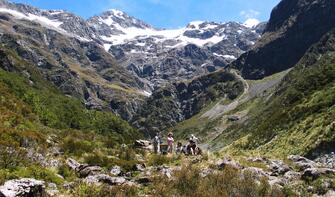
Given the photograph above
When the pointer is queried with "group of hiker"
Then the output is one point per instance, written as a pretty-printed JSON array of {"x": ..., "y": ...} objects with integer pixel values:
[{"x": 191, "y": 148}]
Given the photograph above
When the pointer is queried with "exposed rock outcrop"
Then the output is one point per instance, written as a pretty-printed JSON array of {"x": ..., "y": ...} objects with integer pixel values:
[{"x": 23, "y": 187}]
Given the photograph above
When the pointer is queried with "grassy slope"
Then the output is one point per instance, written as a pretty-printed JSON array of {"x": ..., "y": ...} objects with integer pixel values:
[
  {"x": 34, "y": 115},
  {"x": 218, "y": 131},
  {"x": 300, "y": 115}
]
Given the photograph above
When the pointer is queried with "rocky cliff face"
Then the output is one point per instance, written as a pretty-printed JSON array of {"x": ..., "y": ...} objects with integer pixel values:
[
  {"x": 294, "y": 26},
  {"x": 179, "y": 101}
]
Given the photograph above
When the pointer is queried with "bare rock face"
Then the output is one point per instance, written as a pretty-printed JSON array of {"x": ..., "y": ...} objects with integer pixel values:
[
  {"x": 291, "y": 31},
  {"x": 23, "y": 187}
]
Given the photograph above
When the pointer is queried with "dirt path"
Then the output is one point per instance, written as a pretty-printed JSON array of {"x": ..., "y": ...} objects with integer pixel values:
[{"x": 220, "y": 109}]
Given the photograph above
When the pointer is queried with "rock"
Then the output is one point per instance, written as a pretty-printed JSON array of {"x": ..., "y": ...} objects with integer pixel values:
[
  {"x": 278, "y": 167},
  {"x": 228, "y": 163},
  {"x": 116, "y": 171},
  {"x": 302, "y": 162},
  {"x": 315, "y": 173},
  {"x": 143, "y": 144},
  {"x": 257, "y": 159},
  {"x": 256, "y": 173},
  {"x": 205, "y": 172},
  {"x": 139, "y": 167},
  {"x": 103, "y": 178},
  {"x": 52, "y": 192},
  {"x": 73, "y": 164},
  {"x": 144, "y": 180},
  {"x": 330, "y": 193},
  {"x": 277, "y": 181},
  {"x": 326, "y": 160},
  {"x": 23, "y": 187},
  {"x": 69, "y": 185},
  {"x": 167, "y": 172},
  {"x": 233, "y": 118},
  {"x": 292, "y": 176},
  {"x": 83, "y": 170},
  {"x": 88, "y": 171}
]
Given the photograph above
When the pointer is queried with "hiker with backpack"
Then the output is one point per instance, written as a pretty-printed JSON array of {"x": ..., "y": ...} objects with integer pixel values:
[{"x": 192, "y": 148}]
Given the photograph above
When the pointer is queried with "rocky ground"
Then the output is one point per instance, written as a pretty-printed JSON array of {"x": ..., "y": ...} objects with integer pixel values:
[{"x": 297, "y": 174}]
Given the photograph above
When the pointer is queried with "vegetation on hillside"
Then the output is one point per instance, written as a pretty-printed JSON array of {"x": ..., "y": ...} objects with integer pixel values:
[
  {"x": 299, "y": 116},
  {"x": 36, "y": 119}
]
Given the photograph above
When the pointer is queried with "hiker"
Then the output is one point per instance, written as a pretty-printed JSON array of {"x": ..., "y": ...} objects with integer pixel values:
[
  {"x": 156, "y": 143},
  {"x": 170, "y": 142},
  {"x": 179, "y": 148},
  {"x": 192, "y": 145}
]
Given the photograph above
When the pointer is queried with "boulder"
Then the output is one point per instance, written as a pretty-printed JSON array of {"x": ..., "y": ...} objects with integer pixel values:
[
  {"x": 103, "y": 178},
  {"x": 301, "y": 162},
  {"x": 278, "y": 167},
  {"x": 256, "y": 173},
  {"x": 314, "y": 173},
  {"x": 73, "y": 164},
  {"x": 83, "y": 170},
  {"x": 228, "y": 163},
  {"x": 143, "y": 144},
  {"x": 23, "y": 187},
  {"x": 139, "y": 167},
  {"x": 330, "y": 193},
  {"x": 88, "y": 171},
  {"x": 292, "y": 176},
  {"x": 116, "y": 171}
]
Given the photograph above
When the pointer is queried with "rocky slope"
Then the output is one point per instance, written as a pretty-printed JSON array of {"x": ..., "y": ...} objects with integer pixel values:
[
  {"x": 179, "y": 101},
  {"x": 293, "y": 27}
]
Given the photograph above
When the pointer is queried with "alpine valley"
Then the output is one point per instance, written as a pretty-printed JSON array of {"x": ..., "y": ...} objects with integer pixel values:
[{"x": 80, "y": 100}]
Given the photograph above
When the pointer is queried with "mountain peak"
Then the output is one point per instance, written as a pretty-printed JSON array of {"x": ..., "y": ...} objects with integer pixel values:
[{"x": 251, "y": 22}]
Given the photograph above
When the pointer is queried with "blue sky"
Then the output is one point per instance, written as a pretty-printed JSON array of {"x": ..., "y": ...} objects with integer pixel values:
[{"x": 167, "y": 13}]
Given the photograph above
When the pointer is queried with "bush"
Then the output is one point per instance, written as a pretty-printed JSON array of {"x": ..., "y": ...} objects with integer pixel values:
[
  {"x": 77, "y": 147},
  {"x": 36, "y": 172},
  {"x": 229, "y": 182},
  {"x": 12, "y": 157},
  {"x": 158, "y": 160},
  {"x": 100, "y": 159},
  {"x": 84, "y": 190}
]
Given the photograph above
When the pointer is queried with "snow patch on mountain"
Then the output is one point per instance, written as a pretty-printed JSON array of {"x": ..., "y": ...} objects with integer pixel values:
[
  {"x": 251, "y": 22},
  {"x": 41, "y": 19}
]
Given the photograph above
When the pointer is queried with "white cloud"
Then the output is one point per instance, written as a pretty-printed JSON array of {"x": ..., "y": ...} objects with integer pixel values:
[
  {"x": 251, "y": 22},
  {"x": 249, "y": 13}
]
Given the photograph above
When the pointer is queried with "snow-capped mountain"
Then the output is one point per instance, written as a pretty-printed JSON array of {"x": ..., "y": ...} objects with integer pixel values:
[{"x": 161, "y": 55}]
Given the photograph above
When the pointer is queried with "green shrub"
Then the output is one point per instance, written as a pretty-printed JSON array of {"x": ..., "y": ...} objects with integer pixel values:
[
  {"x": 229, "y": 182},
  {"x": 77, "y": 147},
  {"x": 84, "y": 190},
  {"x": 36, "y": 172},
  {"x": 157, "y": 160}
]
